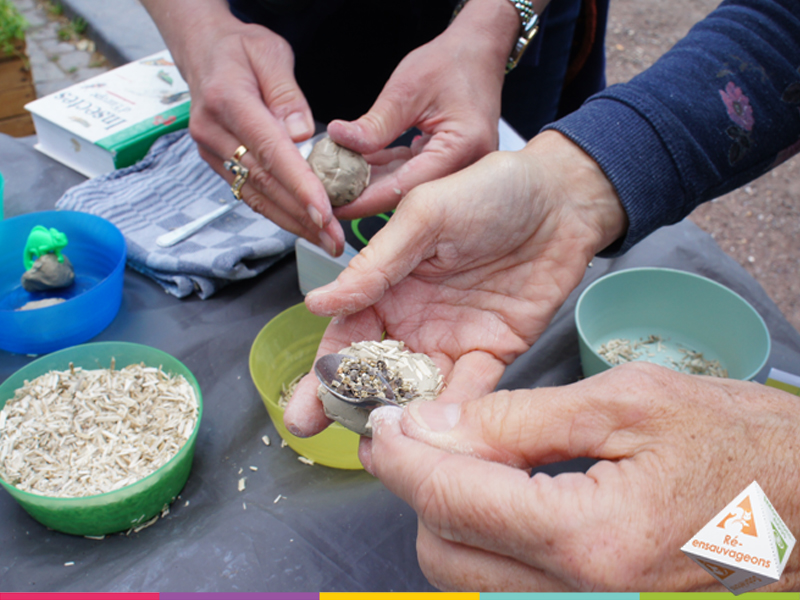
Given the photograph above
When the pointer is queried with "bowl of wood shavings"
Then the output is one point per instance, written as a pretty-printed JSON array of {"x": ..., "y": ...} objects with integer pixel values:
[
  {"x": 672, "y": 318},
  {"x": 98, "y": 438},
  {"x": 281, "y": 354}
]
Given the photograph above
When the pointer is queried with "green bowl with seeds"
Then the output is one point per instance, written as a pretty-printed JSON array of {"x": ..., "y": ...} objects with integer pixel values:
[
  {"x": 283, "y": 350},
  {"x": 672, "y": 318},
  {"x": 137, "y": 504}
]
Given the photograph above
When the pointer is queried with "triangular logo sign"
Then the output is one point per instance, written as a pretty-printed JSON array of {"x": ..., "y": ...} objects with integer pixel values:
[
  {"x": 780, "y": 543},
  {"x": 740, "y": 519},
  {"x": 715, "y": 569},
  {"x": 746, "y": 545}
]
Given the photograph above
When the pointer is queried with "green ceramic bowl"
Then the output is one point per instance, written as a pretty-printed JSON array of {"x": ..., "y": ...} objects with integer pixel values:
[
  {"x": 687, "y": 311},
  {"x": 131, "y": 505},
  {"x": 284, "y": 349}
]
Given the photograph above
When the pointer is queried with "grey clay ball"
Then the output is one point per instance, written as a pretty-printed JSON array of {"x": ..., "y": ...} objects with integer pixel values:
[{"x": 343, "y": 173}]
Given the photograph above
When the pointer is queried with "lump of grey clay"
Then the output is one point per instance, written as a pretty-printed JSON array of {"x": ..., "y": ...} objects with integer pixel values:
[
  {"x": 343, "y": 173},
  {"x": 47, "y": 273}
]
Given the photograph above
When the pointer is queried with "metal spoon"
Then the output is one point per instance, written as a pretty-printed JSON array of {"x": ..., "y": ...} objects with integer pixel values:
[
  {"x": 326, "y": 369},
  {"x": 189, "y": 229}
]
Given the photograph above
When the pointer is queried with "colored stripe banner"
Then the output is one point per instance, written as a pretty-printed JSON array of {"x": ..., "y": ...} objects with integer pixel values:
[{"x": 395, "y": 596}]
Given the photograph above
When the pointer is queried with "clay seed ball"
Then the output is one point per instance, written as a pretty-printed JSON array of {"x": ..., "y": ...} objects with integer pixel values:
[{"x": 343, "y": 173}]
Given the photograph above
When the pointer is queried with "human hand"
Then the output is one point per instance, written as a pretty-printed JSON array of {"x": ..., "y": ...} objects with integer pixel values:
[
  {"x": 244, "y": 93},
  {"x": 673, "y": 450},
  {"x": 472, "y": 267},
  {"x": 449, "y": 89}
]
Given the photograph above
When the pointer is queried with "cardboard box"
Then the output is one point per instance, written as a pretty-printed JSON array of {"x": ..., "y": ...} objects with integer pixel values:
[{"x": 746, "y": 546}]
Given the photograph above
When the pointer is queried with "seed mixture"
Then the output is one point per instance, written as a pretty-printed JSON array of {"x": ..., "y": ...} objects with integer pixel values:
[
  {"x": 619, "y": 350},
  {"x": 412, "y": 376},
  {"x": 362, "y": 378},
  {"x": 77, "y": 433}
]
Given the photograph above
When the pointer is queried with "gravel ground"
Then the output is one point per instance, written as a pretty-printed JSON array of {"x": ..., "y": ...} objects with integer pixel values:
[{"x": 758, "y": 225}]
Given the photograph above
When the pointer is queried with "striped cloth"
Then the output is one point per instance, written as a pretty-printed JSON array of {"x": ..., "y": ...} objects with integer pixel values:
[{"x": 168, "y": 188}]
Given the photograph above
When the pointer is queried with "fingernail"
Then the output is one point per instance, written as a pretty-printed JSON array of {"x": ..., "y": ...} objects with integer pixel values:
[
  {"x": 295, "y": 431},
  {"x": 327, "y": 243},
  {"x": 324, "y": 289},
  {"x": 316, "y": 216},
  {"x": 297, "y": 126},
  {"x": 438, "y": 417}
]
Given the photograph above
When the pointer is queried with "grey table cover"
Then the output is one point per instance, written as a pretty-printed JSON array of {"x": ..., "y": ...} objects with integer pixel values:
[{"x": 336, "y": 530}]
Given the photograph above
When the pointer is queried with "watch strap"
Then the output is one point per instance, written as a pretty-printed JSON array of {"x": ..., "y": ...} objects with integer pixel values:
[{"x": 528, "y": 28}]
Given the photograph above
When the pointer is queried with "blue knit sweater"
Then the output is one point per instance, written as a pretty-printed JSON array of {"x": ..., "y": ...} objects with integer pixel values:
[{"x": 719, "y": 109}]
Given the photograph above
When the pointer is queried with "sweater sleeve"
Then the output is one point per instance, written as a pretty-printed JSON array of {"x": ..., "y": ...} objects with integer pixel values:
[{"x": 721, "y": 108}]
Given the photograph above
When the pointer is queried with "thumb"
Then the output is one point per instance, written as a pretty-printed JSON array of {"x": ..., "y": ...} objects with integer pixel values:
[
  {"x": 394, "y": 252},
  {"x": 523, "y": 428},
  {"x": 386, "y": 121}
]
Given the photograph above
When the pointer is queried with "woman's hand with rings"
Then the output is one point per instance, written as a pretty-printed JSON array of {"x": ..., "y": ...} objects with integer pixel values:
[{"x": 244, "y": 95}]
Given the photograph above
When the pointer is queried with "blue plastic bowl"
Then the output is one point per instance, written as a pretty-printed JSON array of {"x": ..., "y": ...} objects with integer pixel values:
[{"x": 97, "y": 251}]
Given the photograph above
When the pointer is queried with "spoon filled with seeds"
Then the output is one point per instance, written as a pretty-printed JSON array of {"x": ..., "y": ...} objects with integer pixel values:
[
  {"x": 356, "y": 381},
  {"x": 370, "y": 374}
]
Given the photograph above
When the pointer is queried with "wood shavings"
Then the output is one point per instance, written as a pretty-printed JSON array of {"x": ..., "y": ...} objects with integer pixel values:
[
  {"x": 287, "y": 391},
  {"x": 69, "y": 564},
  {"x": 77, "y": 433},
  {"x": 284, "y": 443},
  {"x": 278, "y": 498},
  {"x": 265, "y": 440},
  {"x": 619, "y": 350},
  {"x": 242, "y": 483},
  {"x": 145, "y": 525},
  {"x": 305, "y": 461},
  {"x": 253, "y": 468},
  {"x": 694, "y": 363}
]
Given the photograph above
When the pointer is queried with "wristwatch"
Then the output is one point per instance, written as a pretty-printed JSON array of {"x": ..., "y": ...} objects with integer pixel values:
[{"x": 528, "y": 28}]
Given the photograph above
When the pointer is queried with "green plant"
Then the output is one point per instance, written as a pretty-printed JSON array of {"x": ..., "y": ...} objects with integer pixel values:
[
  {"x": 12, "y": 29},
  {"x": 54, "y": 9},
  {"x": 72, "y": 30}
]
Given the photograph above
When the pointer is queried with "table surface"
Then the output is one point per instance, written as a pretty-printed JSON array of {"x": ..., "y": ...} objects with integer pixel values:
[{"x": 334, "y": 530}]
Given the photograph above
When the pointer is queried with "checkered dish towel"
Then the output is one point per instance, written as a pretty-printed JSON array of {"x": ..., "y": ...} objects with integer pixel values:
[{"x": 168, "y": 188}]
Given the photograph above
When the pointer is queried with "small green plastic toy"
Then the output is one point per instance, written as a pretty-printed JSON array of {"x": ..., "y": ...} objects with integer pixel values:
[{"x": 41, "y": 241}]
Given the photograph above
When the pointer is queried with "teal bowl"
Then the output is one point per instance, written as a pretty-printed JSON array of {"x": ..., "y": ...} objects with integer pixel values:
[
  {"x": 134, "y": 504},
  {"x": 685, "y": 311}
]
